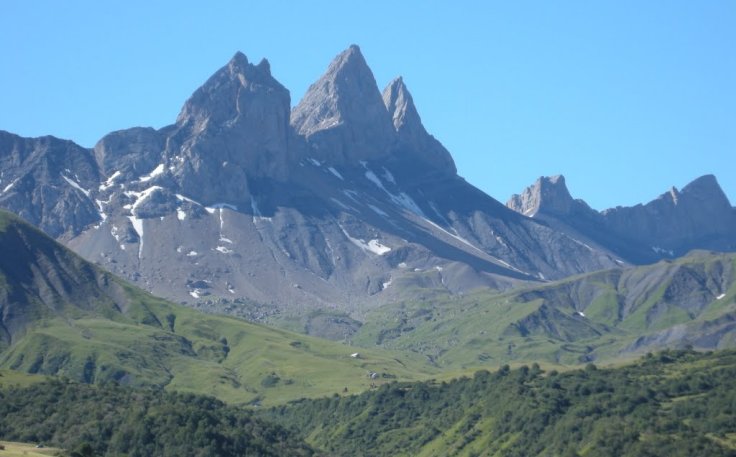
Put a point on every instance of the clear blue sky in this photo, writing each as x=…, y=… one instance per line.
x=625, y=98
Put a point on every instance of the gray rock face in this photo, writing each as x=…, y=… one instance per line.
x=413, y=139
x=233, y=128
x=132, y=152
x=343, y=116
x=698, y=217
x=47, y=181
x=548, y=194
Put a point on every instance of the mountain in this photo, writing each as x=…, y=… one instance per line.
x=697, y=217
x=61, y=315
x=247, y=207
x=306, y=217
x=601, y=316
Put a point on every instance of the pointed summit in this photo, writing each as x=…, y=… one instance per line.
x=221, y=98
x=342, y=114
x=705, y=187
x=400, y=105
x=548, y=194
x=233, y=128
x=413, y=138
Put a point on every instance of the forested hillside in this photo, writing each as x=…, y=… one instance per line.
x=675, y=403
x=113, y=420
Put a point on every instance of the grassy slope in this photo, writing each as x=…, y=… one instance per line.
x=231, y=359
x=482, y=329
x=26, y=450
x=125, y=334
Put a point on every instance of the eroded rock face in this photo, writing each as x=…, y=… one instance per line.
x=47, y=181
x=412, y=138
x=233, y=128
x=342, y=115
x=131, y=152
x=547, y=194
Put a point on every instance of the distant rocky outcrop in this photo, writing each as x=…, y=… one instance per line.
x=698, y=217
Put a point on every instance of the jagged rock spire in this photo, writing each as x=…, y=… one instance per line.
x=342, y=114
x=233, y=128
x=548, y=194
x=412, y=136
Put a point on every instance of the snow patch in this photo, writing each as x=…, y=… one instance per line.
x=226, y=240
x=720, y=297
x=341, y=204
x=140, y=197
x=194, y=293
x=187, y=199
x=10, y=186
x=138, y=227
x=257, y=216
x=315, y=162
x=76, y=185
x=211, y=209
x=351, y=194
x=110, y=181
x=374, y=179
x=582, y=244
x=156, y=171
x=336, y=173
x=223, y=250
x=389, y=177
x=181, y=214
x=192, y=254
x=100, y=210
x=377, y=210
x=374, y=246
x=660, y=250
x=581, y=314
x=385, y=285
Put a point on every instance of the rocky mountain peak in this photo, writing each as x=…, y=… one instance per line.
x=233, y=128
x=221, y=98
x=413, y=137
x=400, y=106
x=342, y=115
x=548, y=194
x=705, y=188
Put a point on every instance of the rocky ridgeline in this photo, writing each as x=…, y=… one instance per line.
x=343, y=203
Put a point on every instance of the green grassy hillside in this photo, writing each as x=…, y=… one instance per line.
x=675, y=403
x=606, y=316
x=63, y=316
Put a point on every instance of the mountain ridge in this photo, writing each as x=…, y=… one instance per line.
x=246, y=204
x=699, y=216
